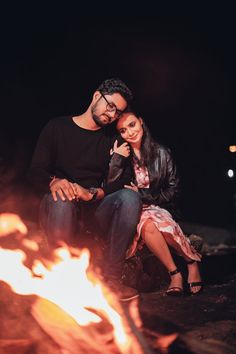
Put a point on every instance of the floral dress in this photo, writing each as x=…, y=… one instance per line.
x=163, y=221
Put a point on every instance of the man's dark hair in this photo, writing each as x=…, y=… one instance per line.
x=115, y=85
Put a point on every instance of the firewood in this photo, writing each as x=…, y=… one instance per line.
x=19, y=346
x=68, y=334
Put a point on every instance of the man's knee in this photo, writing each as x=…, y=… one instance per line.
x=58, y=219
x=129, y=197
x=59, y=205
x=56, y=212
x=130, y=205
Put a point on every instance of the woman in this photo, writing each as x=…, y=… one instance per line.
x=156, y=181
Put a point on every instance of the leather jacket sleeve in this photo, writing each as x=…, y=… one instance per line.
x=120, y=173
x=116, y=167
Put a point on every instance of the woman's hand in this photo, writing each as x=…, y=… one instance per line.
x=132, y=186
x=123, y=149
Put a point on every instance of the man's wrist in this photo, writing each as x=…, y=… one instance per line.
x=94, y=192
x=97, y=193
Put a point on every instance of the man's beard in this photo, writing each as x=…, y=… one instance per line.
x=98, y=121
x=96, y=118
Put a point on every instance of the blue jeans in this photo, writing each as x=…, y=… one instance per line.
x=116, y=216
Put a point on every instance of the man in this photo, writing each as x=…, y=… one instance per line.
x=69, y=165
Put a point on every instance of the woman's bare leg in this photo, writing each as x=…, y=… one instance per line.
x=194, y=276
x=157, y=244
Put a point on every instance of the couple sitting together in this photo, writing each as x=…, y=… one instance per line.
x=73, y=157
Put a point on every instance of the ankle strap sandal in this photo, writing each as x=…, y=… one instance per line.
x=193, y=284
x=174, y=290
x=173, y=272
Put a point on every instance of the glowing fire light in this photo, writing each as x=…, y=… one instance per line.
x=11, y=223
x=63, y=282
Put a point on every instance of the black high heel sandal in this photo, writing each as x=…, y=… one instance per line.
x=175, y=290
x=194, y=283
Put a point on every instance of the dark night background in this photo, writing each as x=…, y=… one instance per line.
x=180, y=63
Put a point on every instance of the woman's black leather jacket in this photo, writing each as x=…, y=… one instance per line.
x=163, y=178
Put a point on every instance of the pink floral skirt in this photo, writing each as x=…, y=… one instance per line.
x=170, y=230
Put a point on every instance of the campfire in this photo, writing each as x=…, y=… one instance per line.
x=72, y=304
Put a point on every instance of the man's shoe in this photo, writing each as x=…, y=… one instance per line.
x=124, y=293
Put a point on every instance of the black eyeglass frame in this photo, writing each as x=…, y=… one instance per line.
x=111, y=107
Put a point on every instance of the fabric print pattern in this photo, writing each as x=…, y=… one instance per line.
x=163, y=221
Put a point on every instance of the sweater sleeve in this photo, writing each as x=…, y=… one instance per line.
x=40, y=171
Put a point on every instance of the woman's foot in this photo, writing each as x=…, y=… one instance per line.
x=176, y=284
x=194, y=277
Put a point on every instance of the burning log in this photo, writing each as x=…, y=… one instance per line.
x=89, y=339
x=19, y=346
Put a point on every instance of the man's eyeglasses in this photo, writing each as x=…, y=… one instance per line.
x=111, y=107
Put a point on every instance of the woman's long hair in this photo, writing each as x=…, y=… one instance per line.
x=149, y=151
x=157, y=158
x=149, y=147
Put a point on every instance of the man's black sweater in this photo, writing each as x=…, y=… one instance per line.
x=65, y=150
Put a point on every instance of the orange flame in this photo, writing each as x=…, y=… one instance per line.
x=63, y=282
x=11, y=223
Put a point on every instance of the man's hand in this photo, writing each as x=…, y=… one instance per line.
x=63, y=188
x=67, y=190
x=84, y=194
